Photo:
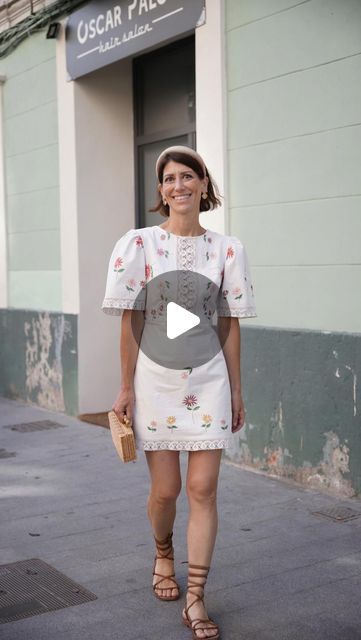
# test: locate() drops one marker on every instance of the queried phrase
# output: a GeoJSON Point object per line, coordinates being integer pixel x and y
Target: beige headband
{"type": "Point", "coordinates": [181, 149]}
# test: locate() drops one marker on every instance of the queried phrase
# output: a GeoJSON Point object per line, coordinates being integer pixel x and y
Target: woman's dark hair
{"type": "Point", "coordinates": [213, 196]}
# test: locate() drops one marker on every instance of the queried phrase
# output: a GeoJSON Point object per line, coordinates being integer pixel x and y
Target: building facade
{"type": "Point", "coordinates": [269, 93]}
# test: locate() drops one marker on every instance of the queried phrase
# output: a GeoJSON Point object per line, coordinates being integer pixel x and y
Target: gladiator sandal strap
{"type": "Point", "coordinates": [165, 549]}
{"type": "Point", "coordinates": [197, 623]}
{"type": "Point", "coordinates": [165, 546]}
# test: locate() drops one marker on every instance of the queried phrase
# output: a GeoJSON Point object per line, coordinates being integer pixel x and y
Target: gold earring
{"type": "Point", "coordinates": [205, 195]}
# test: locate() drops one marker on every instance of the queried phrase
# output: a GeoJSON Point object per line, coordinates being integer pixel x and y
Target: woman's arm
{"type": "Point", "coordinates": [132, 324]}
{"type": "Point", "coordinates": [229, 333]}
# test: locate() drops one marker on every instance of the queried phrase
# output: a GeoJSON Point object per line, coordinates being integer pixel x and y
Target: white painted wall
{"type": "Point", "coordinates": [105, 202]}
{"type": "Point", "coordinates": [69, 240]}
{"type": "Point", "coordinates": [210, 106]}
{"type": "Point", "coordinates": [97, 207]}
{"type": "Point", "coordinates": [294, 139]}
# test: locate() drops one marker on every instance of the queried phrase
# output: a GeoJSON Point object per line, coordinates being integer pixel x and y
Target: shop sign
{"type": "Point", "coordinates": [102, 32]}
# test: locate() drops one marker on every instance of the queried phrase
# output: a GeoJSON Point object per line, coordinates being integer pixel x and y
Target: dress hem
{"type": "Point", "coordinates": [175, 445]}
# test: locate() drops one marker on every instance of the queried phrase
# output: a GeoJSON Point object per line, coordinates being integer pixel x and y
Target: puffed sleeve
{"type": "Point", "coordinates": [125, 286]}
{"type": "Point", "coordinates": [236, 297]}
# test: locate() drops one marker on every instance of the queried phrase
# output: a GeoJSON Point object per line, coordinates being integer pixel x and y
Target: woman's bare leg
{"type": "Point", "coordinates": [202, 482]}
{"type": "Point", "coordinates": [166, 484]}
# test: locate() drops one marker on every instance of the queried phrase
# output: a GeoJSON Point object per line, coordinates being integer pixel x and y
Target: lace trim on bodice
{"type": "Point", "coordinates": [186, 262]}
{"type": "Point", "coordinates": [186, 253]}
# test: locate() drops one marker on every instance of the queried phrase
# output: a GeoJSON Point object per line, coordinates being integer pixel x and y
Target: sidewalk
{"type": "Point", "coordinates": [278, 571]}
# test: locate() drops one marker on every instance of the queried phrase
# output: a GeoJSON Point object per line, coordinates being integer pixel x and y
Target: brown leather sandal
{"type": "Point", "coordinates": [165, 548]}
{"type": "Point", "coordinates": [196, 625]}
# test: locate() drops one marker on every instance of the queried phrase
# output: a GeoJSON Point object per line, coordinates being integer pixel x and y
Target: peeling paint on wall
{"type": "Point", "coordinates": [43, 365]}
{"type": "Point", "coordinates": [354, 385]}
{"type": "Point", "coordinates": [39, 359]}
{"type": "Point", "coordinates": [331, 469]}
{"type": "Point", "coordinates": [327, 474]}
{"type": "Point", "coordinates": [354, 388]}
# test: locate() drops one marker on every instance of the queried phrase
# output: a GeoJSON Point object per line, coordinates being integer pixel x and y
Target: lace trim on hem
{"type": "Point", "coordinates": [179, 445]}
{"type": "Point", "coordinates": [237, 313]}
{"type": "Point", "coordinates": [114, 306]}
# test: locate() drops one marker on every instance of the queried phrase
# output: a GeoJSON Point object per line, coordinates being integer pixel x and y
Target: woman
{"type": "Point", "coordinates": [192, 409]}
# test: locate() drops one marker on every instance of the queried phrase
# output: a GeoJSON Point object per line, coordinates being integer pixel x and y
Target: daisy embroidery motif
{"type": "Point", "coordinates": [171, 422]}
{"type": "Point", "coordinates": [207, 420]}
{"type": "Point", "coordinates": [118, 265]}
{"type": "Point", "coordinates": [191, 403]}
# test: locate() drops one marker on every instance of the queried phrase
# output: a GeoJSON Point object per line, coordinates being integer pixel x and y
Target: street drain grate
{"type": "Point", "coordinates": [34, 426]}
{"type": "Point", "coordinates": [31, 587]}
{"type": "Point", "coordinates": [339, 514]}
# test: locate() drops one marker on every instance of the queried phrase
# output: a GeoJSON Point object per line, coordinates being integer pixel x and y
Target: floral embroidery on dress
{"type": "Point", "coordinates": [171, 422]}
{"type": "Point", "coordinates": [224, 425]}
{"type": "Point", "coordinates": [118, 264]}
{"type": "Point", "coordinates": [139, 242]}
{"type": "Point", "coordinates": [207, 420]}
{"type": "Point", "coordinates": [163, 252]}
{"type": "Point", "coordinates": [211, 288]}
{"type": "Point", "coordinates": [153, 425]}
{"type": "Point", "coordinates": [230, 253]}
{"type": "Point", "coordinates": [148, 271]}
{"type": "Point", "coordinates": [236, 292]}
{"type": "Point", "coordinates": [158, 311]}
{"type": "Point", "coordinates": [191, 403]}
{"type": "Point", "coordinates": [131, 284]}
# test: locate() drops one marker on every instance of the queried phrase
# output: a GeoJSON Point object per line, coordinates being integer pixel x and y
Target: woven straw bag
{"type": "Point", "coordinates": [123, 437]}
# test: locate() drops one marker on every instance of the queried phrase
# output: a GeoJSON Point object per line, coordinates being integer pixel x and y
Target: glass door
{"type": "Point", "coordinates": [164, 83]}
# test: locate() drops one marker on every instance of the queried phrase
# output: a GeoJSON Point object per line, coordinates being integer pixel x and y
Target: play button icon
{"type": "Point", "coordinates": [179, 320]}
{"type": "Point", "coordinates": [180, 311]}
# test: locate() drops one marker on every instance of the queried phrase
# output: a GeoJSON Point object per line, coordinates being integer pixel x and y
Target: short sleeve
{"type": "Point", "coordinates": [125, 286]}
{"type": "Point", "coordinates": [236, 295]}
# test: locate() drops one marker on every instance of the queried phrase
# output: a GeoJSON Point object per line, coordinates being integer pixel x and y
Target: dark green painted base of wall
{"type": "Point", "coordinates": [39, 358]}
{"type": "Point", "coordinates": [302, 395]}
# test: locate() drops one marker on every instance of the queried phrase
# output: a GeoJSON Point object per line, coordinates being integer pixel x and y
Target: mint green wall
{"type": "Point", "coordinates": [31, 175]}
{"type": "Point", "coordinates": [294, 152]}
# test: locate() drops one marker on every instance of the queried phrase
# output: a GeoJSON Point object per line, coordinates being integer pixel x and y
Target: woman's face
{"type": "Point", "coordinates": [182, 188]}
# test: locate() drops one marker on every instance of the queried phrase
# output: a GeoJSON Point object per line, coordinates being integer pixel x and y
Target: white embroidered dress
{"type": "Point", "coordinates": [187, 409]}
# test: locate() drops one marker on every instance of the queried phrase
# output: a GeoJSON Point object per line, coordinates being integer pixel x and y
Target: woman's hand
{"type": "Point", "coordinates": [238, 411]}
{"type": "Point", "coordinates": [124, 403]}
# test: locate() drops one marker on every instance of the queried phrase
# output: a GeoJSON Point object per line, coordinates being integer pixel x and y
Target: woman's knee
{"type": "Point", "coordinates": [201, 492]}
{"type": "Point", "coordinates": [165, 495]}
